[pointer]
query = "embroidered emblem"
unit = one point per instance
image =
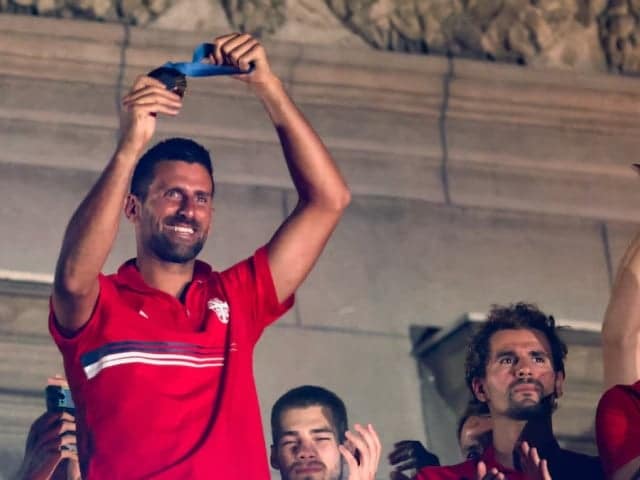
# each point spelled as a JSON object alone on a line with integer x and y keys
{"x": 221, "y": 309}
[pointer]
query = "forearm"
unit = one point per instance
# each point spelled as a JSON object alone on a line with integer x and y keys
{"x": 621, "y": 326}
{"x": 621, "y": 334}
{"x": 313, "y": 171}
{"x": 93, "y": 227}
{"x": 322, "y": 192}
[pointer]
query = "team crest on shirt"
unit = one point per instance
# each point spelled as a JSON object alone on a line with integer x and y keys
{"x": 221, "y": 309}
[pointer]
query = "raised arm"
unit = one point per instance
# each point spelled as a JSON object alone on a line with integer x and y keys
{"x": 322, "y": 192}
{"x": 93, "y": 227}
{"x": 621, "y": 326}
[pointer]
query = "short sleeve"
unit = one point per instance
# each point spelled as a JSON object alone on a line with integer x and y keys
{"x": 618, "y": 428}
{"x": 68, "y": 343}
{"x": 251, "y": 282}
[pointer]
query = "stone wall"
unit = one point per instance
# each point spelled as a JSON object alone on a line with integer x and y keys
{"x": 473, "y": 183}
{"x": 579, "y": 35}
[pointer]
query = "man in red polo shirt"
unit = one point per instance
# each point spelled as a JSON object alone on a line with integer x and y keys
{"x": 159, "y": 355}
{"x": 515, "y": 364}
{"x": 618, "y": 415}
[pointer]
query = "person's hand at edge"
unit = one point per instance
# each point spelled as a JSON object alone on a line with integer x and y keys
{"x": 482, "y": 473}
{"x": 408, "y": 455}
{"x": 50, "y": 442}
{"x": 367, "y": 443}
{"x": 531, "y": 464}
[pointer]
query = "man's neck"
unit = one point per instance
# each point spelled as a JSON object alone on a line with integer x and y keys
{"x": 509, "y": 433}
{"x": 506, "y": 433}
{"x": 171, "y": 278}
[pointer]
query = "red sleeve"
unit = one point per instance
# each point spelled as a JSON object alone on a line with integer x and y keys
{"x": 461, "y": 471}
{"x": 618, "y": 427}
{"x": 67, "y": 342}
{"x": 251, "y": 282}
{"x": 72, "y": 346}
{"x": 423, "y": 474}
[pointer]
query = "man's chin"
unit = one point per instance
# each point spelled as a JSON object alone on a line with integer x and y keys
{"x": 176, "y": 257}
{"x": 313, "y": 471}
{"x": 311, "y": 475}
{"x": 529, "y": 409}
{"x": 174, "y": 252}
{"x": 308, "y": 476}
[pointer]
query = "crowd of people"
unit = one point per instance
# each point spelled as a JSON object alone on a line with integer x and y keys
{"x": 181, "y": 336}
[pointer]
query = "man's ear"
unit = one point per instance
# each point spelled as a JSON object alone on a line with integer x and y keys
{"x": 132, "y": 207}
{"x": 559, "y": 384}
{"x": 477, "y": 385}
{"x": 273, "y": 458}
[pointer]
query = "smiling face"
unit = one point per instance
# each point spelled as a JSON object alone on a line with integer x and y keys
{"x": 174, "y": 220}
{"x": 307, "y": 445}
{"x": 520, "y": 377}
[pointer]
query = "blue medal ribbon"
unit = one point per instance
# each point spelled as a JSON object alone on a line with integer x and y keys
{"x": 196, "y": 68}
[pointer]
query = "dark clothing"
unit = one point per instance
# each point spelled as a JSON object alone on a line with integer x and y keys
{"x": 563, "y": 465}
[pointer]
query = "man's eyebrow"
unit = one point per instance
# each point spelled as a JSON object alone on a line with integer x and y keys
{"x": 542, "y": 353}
{"x": 323, "y": 430}
{"x": 169, "y": 185}
{"x": 504, "y": 353}
{"x": 295, "y": 433}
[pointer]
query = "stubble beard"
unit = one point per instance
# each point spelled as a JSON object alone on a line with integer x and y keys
{"x": 169, "y": 251}
{"x": 166, "y": 249}
{"x": 525, "y": 410}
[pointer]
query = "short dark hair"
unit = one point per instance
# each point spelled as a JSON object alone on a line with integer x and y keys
{"x": 475, "y": 408}
{"x": 172, "y": 149}
{"x": 517, "y": 316}
{"x": 308, "y": 396}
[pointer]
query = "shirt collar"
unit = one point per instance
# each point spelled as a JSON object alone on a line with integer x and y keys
{"x": 129, "y": 275}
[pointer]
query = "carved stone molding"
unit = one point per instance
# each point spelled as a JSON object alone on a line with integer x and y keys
{"x": 620, "y": 35}
{"x": 257, "y": 17}
{"x": 521, "y": 31}
{"x": 580, "y": 35}
{"x": 133, "y": 12}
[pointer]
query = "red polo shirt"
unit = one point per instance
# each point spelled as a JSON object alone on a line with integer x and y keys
{"x": 467, "y": 470}
{"x": 618, "y": 426}
{"x": 563, "y": 464}
{"x": 165, "y": 390}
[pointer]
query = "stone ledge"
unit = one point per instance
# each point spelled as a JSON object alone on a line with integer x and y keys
{"x": 558, "y": 192}
{"x": 76, "y": 59}
{"x": 591, "y": 103}
{"x": 565, "y": 140}
{"x": 85, "y": 142}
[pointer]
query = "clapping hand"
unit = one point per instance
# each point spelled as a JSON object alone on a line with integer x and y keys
{"x": 365, "y": 444}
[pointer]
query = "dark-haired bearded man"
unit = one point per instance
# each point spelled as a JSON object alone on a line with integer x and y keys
{"x": 515, "y": 364}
